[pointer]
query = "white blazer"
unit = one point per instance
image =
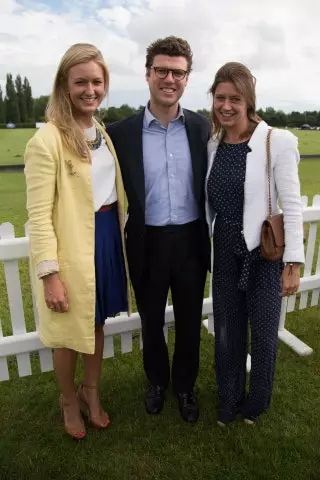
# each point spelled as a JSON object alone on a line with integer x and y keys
{"x": 285, "y": 186}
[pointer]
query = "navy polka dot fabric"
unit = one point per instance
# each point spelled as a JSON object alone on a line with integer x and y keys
{"x": 245, "y": 291}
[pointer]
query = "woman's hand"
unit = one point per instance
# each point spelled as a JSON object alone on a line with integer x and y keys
{"x": 290, "y": 279}
{"x": 55, "y": 293}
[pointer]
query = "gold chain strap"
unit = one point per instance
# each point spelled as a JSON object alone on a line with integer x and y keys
{"x": 269, "y": 171}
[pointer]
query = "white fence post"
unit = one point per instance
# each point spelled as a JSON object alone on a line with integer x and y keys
{"x": 4, "y": 372}
{"x": 309, "y": 281}
{"x": 45, "y": 355}
{"x": 316, "y": 291}
{"x": 310, "y": 253}
{"x": 11, "y": 272}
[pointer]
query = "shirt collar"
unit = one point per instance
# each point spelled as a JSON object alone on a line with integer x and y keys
{"x": 149, "y": 118}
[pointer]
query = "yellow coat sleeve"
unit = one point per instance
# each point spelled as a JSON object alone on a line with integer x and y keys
{"x": 40, "y": 172}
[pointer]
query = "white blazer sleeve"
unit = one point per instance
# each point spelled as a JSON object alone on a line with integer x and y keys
{"x": 288, "y": 188}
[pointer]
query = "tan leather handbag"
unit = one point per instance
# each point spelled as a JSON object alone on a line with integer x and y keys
{"x": 272, "y": 231}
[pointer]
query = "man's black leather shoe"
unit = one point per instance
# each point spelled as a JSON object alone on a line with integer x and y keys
{"x": 154, "y": 399}
{"x": 189, "y": 409}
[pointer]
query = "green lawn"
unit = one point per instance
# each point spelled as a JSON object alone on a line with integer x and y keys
{"x": 309, "y": 141}
{"x": 13, "y": 199}
{"x": 309, "y": 173}
{"x": 12, "y": 145}
{"x": 283, "y": 446}
{"x": 13, "y": 142}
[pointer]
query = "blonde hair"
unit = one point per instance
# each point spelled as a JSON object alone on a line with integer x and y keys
{"x": 245, "y": 83}
{"x": 60, "y": 110}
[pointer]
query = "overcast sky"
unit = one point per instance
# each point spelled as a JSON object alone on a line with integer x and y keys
{"x": 279, "y": 40}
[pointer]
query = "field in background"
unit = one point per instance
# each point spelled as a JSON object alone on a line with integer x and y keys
{"x": 13, "y": 197}
{"x": 12, "y": 145}
{"x": 309, "y": 141}
{"x": 13, "y": 142}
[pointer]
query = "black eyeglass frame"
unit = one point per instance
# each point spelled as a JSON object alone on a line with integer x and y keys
{"x": 168, "y": 70}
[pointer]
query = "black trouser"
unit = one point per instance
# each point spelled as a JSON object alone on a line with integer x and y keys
{"x": 173, "y": 259}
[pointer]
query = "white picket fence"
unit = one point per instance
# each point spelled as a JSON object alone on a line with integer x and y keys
{"x": 22, "y": 343}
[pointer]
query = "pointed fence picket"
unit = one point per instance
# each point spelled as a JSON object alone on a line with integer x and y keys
{"x": 45, "y": 355}
{"x": 310, "y": 281}
{"x": 11, "y": 273}
{"x": 21, "y": 344}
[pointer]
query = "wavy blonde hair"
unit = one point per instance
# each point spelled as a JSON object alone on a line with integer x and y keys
{"x": 60, "y": 109}
{"x": 245, "y": 83}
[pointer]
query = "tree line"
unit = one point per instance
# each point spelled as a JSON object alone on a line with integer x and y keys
{"x": 278, "y": 118}
{"x": 275, "y": 118}
{"x": 19, "y": 107}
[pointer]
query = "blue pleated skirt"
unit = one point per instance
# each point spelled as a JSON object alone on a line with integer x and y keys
{"x": 111, "y": 281}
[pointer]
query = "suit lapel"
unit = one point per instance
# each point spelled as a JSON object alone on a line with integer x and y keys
{"x": 194, "y": 137}
{"x": 135, "y": 157}
{"x": 212, "y": 150}
{"x": 256, "y": 161}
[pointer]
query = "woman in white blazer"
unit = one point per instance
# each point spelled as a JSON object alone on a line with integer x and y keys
{"x": 247, "y": 289}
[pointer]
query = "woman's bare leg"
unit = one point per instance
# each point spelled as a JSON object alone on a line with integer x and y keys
{"x": 65, "y": 366}
{"x": 91, "y": 380}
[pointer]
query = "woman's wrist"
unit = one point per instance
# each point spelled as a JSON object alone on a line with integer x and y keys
{"x": 46, "y": 267}
{"x": 292, "y": 267}
{"x": 49, "y": 276}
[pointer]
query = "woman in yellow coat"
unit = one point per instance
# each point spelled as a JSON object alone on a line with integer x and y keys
{"x": 75, "y": 201}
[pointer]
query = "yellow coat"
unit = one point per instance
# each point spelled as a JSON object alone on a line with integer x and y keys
{"x": 61, "y": 228}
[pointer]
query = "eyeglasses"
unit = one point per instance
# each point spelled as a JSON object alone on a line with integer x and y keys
{"x": 162, "y": 72}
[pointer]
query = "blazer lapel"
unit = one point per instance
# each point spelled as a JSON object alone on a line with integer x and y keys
{"x": 135, "y": 164}
{"x": 257, "y": 158}
{"x": 212, "y": 147}
{"x": 195, "y": 149}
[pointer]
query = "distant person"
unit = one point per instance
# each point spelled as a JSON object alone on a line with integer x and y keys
{"x": 246, "y": 288}
{"x": 162, "y": 154}
{"x": 75, "y": 201}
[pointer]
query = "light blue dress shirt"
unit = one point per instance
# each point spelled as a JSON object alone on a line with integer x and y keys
{"x": 167, "y": 172}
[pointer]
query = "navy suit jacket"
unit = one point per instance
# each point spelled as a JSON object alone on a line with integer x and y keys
{"x": 126, "y": 136}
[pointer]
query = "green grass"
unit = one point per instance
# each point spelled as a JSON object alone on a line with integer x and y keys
{"x": 284, "y": 445}
{"x": 309, "y": 141}
{"x": 13, "y": 198}
{"x": 309, "y": 173}
{"x": 13, "y": 142}
{"x": 12, "y": 145}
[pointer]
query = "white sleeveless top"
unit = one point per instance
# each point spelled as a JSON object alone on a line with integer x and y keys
{"x": 103, "y": 172}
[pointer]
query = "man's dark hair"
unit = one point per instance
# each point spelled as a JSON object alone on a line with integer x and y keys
{"x": 171, "y": 46}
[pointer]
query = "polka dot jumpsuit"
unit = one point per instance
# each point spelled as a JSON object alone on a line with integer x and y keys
{"x": 245, "y": 290}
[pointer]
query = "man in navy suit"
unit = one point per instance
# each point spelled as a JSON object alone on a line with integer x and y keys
{"x": 163, "y": 157}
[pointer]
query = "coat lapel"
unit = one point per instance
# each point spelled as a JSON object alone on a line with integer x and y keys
{"x": 257, "y": 158}
{"x": 136, "y": 165}
{"x": 195, "y": 148}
